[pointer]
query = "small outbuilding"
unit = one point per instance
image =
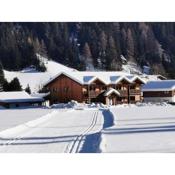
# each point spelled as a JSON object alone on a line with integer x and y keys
{"x": 159, "y": 91}
{"x": 19, "y": 99}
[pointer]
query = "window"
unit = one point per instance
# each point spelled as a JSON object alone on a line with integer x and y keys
{"x": 132, "y": 98}
{"x": 92, "y": 88}
{"x": 54, "y": 89}
{"x": 84, "y": 91}
{"x": 113, "y": 86}
{"x": 103, "y": 88}
{"x": 118, "y": 87}
{"x": 66, "y": 89}
{"x": 166, "y": 92}
{"x": 132, "y": 87}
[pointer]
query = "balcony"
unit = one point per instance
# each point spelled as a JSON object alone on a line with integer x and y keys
{"x": 123, "y": 93}
{"x": 94, "y": 94}
{"x": 134, "y": 92}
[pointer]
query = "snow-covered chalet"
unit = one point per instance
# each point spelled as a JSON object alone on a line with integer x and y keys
{"x": 159, "y": 91}
{"x": 98, "y": 87}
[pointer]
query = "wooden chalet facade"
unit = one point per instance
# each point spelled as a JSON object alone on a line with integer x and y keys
{"x": 82, "y": 87}
{"x": 159, "y": 91}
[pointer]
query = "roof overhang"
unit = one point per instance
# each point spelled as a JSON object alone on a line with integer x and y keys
{"x": 96, "y": 78}
{"x": 121, "y": 79}
{"x": 158, "y": 89}
{"x": 137, "y": 78}
{"x": 62, "y": 73}
{"x": 30, "y": 100}
{"x": 111, "y": 91}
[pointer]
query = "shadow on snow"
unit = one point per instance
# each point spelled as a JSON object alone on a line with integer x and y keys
{"x": 92, "y": 141}
{"x": 36, "y": 140}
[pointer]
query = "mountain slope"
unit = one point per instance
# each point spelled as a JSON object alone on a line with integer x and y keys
{"x": 36, "y": 79}
{"x": 89, "y": 45}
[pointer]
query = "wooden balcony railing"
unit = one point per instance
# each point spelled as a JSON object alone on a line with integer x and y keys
{"x": 123, "y": 93}
{"x": 134, "y": 92}
{"x": 93, "y": 94}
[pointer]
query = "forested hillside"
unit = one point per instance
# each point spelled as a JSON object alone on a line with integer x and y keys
{"x": 81, "y": 44}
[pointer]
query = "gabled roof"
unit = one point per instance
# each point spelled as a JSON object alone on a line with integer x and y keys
{"x": 110, "y": 91}
{"x": 18, "y": 96}
{"x": 71, "y": 75}
{"x": 121, "y": 78}
{"x": 94, "y": 79}
{"x": 159, "y": 85}
{"x": 86, "y": 78}
{"x": 134, "y": 78}
{"x": 40, "y": 94}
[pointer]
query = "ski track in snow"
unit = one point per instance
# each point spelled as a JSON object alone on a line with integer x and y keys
{"x": 82, "y": 133}
{"x": 91, "y": 130}
{"x": 74, "y": 147}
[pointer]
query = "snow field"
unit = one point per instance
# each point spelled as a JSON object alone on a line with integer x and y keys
{"x": 11, "y": 132}
{"x": 37, "y": 79}
{"x": 12, "y": 117}
{"x": 79, "y": 128}
{"x": 140, "y": 129}
{"x": 65, "y": 131}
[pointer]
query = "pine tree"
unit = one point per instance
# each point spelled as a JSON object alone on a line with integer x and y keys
{"x": 87, "y": 56}
{"x": 27, "y": 89}
{"x": 102, "y": 50}
{"x": 14, "y": 85}
{"x": 6, "y": 85}
{"x": 87, "y": 51}
{"x": 112, "y": 62}
{"x": 43, "y": 49}
{"x": 1, "y": 77}
{"x": 130, "y": 45}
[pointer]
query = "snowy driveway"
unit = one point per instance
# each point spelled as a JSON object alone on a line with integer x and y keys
{"x": 66, "y": 131}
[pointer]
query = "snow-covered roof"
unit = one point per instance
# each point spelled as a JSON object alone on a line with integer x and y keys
{"x": 86, "y": 77}
{"x": 159, "y": 85}
{"x": 147, "y": 78}
{"x": 110, "y": 91}
{"x": 36, "y": 79}
{"x": 18, "y": 96}
{"x": 134, "y": 78}
{"x": 40, "y": 94}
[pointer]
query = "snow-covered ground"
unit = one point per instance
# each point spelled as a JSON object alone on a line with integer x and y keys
{"x": 65, "y": 130}
{"x": 37, "y": 79}
{"x": 12, "y": 117}
{"x": 80, "y": 128}
{"x": 131, "y": 68}
{"x": 143, "y": 128}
